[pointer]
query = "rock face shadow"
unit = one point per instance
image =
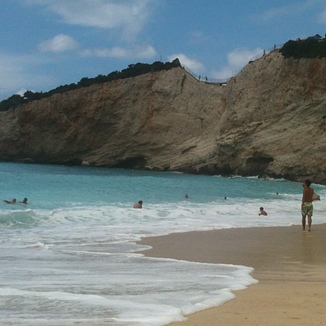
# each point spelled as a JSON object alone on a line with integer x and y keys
{"x": 137, "y": 162}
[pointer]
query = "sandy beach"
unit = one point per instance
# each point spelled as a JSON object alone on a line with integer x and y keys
{"x": 290, "y": 265}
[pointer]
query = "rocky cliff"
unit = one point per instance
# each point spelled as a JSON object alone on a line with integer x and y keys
{"x": 269, "y": 120}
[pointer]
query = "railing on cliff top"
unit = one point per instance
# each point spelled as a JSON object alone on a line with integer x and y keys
{"x": 223, "y": 81}
{"x": 218, "y": 81}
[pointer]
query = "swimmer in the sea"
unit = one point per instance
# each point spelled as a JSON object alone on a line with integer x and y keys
{"x": 139, "y": 204}
{"x": 10, "y": 201}
{"x": 262, "y": 212}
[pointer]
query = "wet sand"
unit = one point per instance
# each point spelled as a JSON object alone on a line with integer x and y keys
{"x": 289, "y": 264}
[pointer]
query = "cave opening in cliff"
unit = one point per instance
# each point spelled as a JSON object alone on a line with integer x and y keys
{"x": 257, "y": 165}
{"x": 138, "y": 162}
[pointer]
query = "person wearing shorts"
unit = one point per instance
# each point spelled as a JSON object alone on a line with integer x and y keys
{"x": 307, "y": 208}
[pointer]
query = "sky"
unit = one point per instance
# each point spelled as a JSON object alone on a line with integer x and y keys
{"x": 49, "y": 43}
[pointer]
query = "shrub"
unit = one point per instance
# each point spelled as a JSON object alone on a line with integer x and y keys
{"x": 311, "y": 47}
{"x": 132, "y": 71}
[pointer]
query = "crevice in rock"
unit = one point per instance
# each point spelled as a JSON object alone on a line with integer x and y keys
{"x": 137, "y": 162}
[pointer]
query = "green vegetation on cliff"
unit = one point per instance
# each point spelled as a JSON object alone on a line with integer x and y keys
{"x": 132, "y": 71}
{"x": 311, "y": 47}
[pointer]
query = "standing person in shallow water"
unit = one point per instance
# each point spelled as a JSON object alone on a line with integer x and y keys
{"x": 306, "y": 206}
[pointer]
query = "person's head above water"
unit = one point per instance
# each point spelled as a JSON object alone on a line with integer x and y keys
{"x": 307, "y": 182}
{"x": 139, "y": 204}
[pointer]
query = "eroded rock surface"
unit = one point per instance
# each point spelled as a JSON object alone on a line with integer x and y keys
{"x": 269, "y": 120}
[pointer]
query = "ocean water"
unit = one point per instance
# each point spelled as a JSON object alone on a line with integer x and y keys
{"x": 69, "y": 257}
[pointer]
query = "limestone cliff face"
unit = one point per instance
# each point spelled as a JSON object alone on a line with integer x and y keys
{"x": 275, "y": 122}
{"x": 269, "y": 120}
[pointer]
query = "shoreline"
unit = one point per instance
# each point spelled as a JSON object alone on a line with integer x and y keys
{"x": 290, "y": 265}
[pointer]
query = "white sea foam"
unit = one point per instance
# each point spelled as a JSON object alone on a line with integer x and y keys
{"x": 38, "y": 245}
{"x": 70, "y": 256}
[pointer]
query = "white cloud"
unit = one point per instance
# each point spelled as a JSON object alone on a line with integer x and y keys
{"x": 224, "y": 73}
{"x": 59, "y": 43}
{"x": 22, "y": 91}
{"x": 140, "y": 52}
{"x": 198, "y": 38}
{"x": 12, "y": 71}
{"x": 15, "y": 72}
{"x": 237, "y": 59}
{"x": 192, "y": 64}
{"x": 129, "y": 15}
{"x": 322, "y": 17}
{"x": 288, "y": 10}
{"x": 273, "y": 13}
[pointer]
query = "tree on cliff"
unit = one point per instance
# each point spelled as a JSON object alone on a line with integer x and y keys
{"x": 311, "y": 47}
{"x": 133, "y": 70}
{"x": 11, "y": 102}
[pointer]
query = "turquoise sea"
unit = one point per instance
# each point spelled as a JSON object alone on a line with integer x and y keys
{"x": 70, "y": 257}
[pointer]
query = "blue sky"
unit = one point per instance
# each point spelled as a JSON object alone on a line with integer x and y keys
{"x": 48, "y": 43}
